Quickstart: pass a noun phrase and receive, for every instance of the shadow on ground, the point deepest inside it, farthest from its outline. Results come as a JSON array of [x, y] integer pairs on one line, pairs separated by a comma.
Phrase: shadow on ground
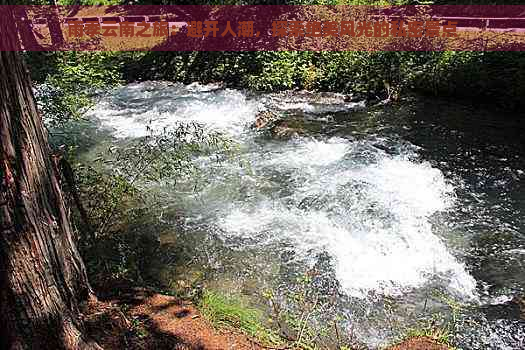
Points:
[[119, 319]]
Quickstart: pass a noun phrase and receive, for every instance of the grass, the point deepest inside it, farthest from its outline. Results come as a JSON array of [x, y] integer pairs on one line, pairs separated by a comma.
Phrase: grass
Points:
[[441, 335], [233, 313], [223, 311]]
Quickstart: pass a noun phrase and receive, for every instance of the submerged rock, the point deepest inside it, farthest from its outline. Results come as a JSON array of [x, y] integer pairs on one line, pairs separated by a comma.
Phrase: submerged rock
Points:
[[265, 120], [283, 130], [513, 309], [288, 125], [520, 301], [277, 126]]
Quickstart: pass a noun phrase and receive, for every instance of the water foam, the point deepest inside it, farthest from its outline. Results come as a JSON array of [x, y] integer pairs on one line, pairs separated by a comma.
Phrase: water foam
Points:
[[130, 110], [369, 210], [373, 219]]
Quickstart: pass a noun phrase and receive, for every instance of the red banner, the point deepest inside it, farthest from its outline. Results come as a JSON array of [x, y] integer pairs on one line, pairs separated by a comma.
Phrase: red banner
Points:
[[257, 28]]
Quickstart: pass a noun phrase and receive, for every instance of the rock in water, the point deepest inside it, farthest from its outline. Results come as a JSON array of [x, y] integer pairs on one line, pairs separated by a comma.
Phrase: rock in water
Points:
[[265, 120], [276, 125]]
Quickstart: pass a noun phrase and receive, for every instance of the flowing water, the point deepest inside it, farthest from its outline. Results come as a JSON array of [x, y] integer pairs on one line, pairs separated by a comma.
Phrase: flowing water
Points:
[[397, 213]]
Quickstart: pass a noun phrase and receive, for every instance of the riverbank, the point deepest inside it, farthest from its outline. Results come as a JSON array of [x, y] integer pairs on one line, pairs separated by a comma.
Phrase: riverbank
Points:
[[140, 318]]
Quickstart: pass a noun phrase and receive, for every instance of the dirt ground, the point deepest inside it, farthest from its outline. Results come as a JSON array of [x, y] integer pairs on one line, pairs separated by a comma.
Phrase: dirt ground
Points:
[[419, 344]]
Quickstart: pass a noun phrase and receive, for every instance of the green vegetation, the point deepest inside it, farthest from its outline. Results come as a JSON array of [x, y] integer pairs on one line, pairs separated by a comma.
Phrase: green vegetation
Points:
[[234, 312], [495, 78], [67, 80], [116, 239], [488, 77], [438, 327], [289, 321], [440, 335], [226, 311]]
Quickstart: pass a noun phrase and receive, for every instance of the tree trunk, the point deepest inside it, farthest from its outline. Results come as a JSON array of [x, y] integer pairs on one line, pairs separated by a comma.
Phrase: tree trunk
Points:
[[55, 30], [42, 276], [29, 41]]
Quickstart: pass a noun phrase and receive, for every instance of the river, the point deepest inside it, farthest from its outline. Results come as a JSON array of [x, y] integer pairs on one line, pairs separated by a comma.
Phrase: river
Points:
[[397, 213]]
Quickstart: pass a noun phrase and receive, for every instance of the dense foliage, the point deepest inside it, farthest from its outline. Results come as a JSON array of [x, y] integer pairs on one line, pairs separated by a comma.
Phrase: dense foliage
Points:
[[490, 77], [496, 78], [67, 79]]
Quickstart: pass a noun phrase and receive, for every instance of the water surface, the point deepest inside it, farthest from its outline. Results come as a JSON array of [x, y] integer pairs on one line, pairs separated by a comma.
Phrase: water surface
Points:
[[397, 213]]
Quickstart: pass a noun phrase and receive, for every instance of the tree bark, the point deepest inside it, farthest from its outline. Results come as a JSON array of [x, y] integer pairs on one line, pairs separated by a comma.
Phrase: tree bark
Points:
[[55, 30], [42, 276], [29, 41]]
